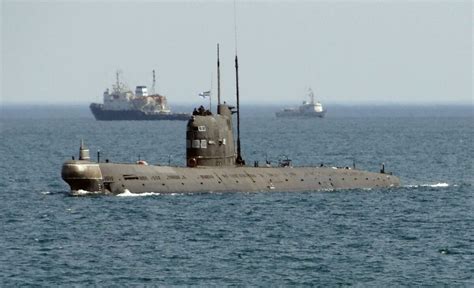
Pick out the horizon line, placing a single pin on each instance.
(259, 103)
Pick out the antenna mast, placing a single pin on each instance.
(218, 80)
(117, 73)
(311, 95)
(154, 82)
(239, 159)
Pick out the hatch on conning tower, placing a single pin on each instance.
(209, 138)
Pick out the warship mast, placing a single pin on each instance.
(117, 73)
(154, 83)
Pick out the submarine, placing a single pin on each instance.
(214, 163)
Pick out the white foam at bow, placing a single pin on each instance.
(81, 192)
(127, 193)
(437, 185)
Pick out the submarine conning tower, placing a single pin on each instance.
(209, 138)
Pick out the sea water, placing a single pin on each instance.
(420, 234)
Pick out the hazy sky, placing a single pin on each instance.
(352, 52)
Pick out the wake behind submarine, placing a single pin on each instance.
(213, 164)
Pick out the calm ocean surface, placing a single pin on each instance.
(421, 234)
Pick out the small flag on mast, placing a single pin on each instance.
(205, 94)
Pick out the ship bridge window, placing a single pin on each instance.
(201, 128)
(203, 143)
(188, 143)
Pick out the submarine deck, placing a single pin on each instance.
(117, 178)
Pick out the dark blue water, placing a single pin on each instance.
(419, 234)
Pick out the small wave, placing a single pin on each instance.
(127, 193)
(437, 185)
(81, 192)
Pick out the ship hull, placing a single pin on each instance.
(111, 178)
(298, 114)
(108, 115)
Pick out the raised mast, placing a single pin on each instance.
(239, 159)
(311, 95)
(218, 80)
(154, 83)
(117, 73)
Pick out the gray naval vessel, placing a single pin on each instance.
(214, 163)
(309, 109)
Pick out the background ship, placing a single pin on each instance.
(308, 109)
(123, 104)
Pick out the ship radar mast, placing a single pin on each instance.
(119, 87)
(154, 83)
(117, 80)
(311, 95)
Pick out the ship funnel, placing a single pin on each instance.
(83, 152)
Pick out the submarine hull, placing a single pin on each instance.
(111, 178)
